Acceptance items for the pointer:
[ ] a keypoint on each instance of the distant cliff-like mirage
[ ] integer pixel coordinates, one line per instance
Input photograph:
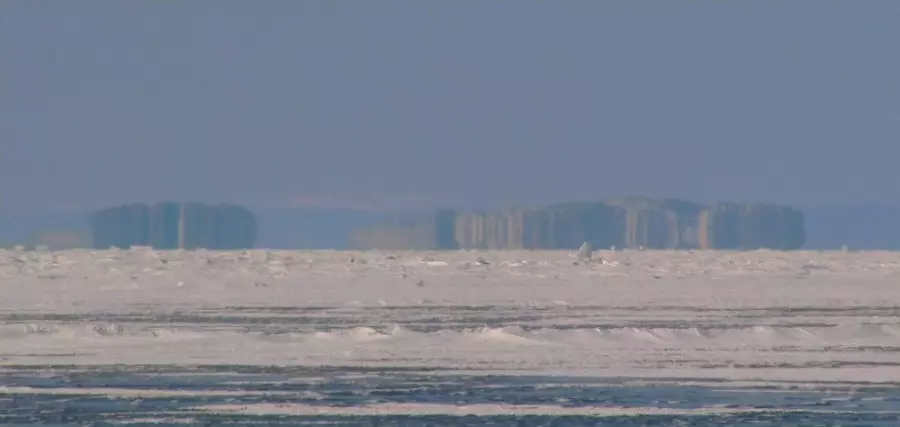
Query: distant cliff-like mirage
(623, 223)
(170, 225)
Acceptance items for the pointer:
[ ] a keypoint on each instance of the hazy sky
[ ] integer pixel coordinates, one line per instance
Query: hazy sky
(455, 102)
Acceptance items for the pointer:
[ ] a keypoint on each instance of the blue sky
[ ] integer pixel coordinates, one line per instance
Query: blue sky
(410, 103)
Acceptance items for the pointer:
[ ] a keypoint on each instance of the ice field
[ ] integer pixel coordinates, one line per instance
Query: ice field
(444, 338)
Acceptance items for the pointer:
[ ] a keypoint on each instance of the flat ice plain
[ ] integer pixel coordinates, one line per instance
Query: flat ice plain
(450, 338)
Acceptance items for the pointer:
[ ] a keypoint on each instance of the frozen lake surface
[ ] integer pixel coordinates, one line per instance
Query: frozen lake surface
(450, 338)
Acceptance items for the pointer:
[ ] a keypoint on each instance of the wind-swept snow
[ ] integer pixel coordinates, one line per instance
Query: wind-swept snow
(213, 335)
(731, 315)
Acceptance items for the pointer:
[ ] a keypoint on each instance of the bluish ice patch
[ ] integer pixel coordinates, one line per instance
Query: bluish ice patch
(849, 404)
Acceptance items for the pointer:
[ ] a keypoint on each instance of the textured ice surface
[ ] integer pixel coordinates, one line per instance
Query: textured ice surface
(708, 320)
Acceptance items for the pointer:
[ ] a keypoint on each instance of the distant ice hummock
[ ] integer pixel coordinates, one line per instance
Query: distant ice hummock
(584, 252)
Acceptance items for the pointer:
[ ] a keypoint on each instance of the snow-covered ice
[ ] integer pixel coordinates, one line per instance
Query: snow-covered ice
(718, 319)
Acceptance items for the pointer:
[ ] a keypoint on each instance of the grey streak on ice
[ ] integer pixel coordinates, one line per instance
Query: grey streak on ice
(736, 316)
